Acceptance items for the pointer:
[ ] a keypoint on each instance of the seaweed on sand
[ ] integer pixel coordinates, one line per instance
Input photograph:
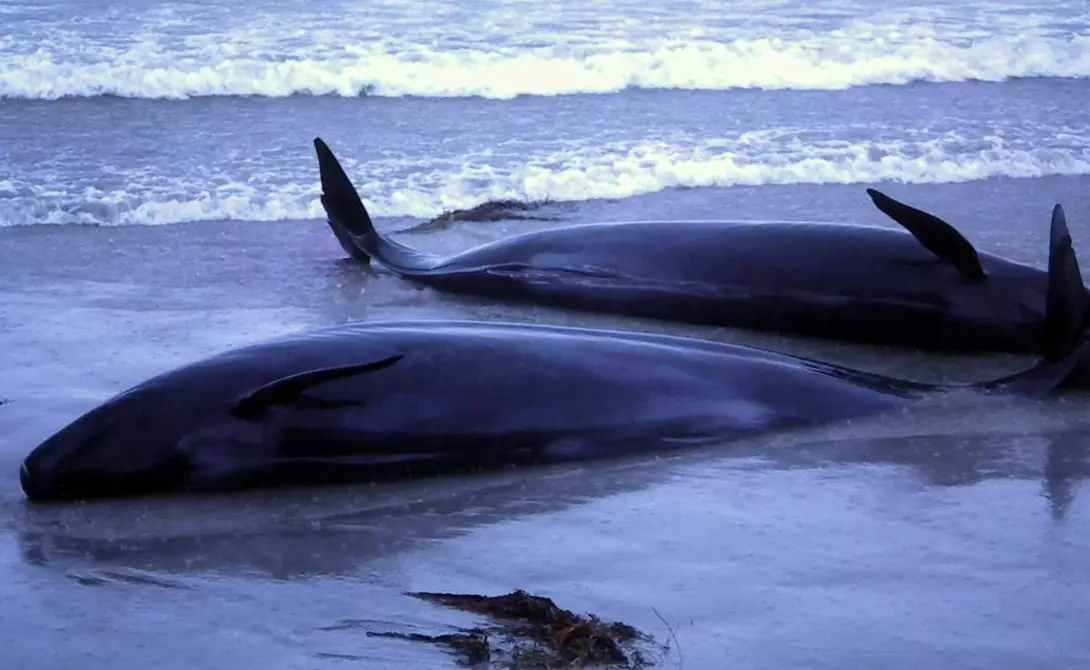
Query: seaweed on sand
(492, 210)
(471, 646)
(535, 634)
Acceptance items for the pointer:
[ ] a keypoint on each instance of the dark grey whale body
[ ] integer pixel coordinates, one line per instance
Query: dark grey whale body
(461, 391)
(370, 401)
(927, 288)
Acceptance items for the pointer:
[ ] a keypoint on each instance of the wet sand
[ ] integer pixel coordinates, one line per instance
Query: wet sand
(953, 537)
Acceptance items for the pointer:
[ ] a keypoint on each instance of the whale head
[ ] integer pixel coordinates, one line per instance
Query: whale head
(214, 424)
(128, 445)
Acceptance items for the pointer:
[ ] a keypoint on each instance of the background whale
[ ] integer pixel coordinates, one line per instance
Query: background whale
(368, 401)
(927, 288)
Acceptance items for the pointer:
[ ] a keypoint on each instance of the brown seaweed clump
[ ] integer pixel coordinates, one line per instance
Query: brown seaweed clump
(536, 634)
(492, 210)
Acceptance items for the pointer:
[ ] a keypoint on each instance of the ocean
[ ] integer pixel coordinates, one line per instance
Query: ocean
(159, 203)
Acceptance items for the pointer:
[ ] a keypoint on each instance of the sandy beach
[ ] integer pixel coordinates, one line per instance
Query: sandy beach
(955, 536)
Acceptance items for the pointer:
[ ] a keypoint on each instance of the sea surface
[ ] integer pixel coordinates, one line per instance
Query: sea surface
(159, 203)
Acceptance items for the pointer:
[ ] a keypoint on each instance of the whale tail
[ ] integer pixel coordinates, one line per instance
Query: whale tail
(1067, 337)
(352, 225)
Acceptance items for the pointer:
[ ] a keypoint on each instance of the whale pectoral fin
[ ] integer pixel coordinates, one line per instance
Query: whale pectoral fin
(290, 390)
(936, 235)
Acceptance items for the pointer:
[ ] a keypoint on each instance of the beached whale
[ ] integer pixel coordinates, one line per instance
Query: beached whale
(927, 288)
(369, 401)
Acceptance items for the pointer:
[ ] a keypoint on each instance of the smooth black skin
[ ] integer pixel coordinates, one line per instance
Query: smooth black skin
(438, 397)
(835, 281)
(369, 401)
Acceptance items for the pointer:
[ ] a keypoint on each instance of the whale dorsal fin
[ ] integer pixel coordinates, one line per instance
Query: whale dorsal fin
(290, 390)
(1067, 341)
(1065, 305)
(937, 236)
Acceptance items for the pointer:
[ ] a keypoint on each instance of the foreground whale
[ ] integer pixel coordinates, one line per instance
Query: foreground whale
(929, 289)
(369, 401)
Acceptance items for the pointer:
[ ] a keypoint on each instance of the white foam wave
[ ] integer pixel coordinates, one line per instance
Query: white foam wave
(157, 205)
(328, 62)
(568, 174)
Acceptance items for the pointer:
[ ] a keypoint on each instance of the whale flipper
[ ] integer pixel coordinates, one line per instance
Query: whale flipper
(936, 235)
(352, 225)
(289, 390)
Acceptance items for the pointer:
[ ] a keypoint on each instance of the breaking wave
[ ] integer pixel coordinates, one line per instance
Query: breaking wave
(427, 54)
(571, 173)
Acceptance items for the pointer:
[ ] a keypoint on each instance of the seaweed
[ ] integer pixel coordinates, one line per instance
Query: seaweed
(534, 633)
(491, 210)
(471, 645)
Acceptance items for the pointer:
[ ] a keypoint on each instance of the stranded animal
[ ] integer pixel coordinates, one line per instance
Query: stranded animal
(368, 401)
(927, 288)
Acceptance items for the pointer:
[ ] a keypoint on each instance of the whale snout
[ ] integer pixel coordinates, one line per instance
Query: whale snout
(47, 470)
(37, 485)
(101, 462)
(53, 471)
(27, 482)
